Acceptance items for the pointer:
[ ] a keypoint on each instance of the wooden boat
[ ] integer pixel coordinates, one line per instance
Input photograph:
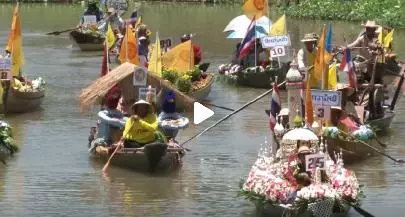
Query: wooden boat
(199, 94)
(86, 41)
(140, 159)
(155, 157)
(353, 151)
(276, 210)
(19, 102)
(384, 123)
(260, 79)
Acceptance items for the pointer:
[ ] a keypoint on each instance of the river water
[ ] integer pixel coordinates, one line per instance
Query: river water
(53, 175)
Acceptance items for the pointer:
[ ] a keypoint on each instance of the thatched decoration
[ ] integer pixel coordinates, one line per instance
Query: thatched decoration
(122, 75)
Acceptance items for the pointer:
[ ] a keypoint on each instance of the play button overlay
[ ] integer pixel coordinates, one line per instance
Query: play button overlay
(201, 113)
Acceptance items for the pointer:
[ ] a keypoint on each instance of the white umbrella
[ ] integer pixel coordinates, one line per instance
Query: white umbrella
(242, 22)
(303, 134)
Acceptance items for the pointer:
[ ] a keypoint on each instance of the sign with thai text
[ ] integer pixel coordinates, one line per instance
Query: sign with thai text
(326, 97)
(274, 41)
(278, 51)
(89, 20)
(5, 69)
(313, 161)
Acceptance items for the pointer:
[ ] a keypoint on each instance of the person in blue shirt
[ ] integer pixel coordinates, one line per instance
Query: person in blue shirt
(92, 9)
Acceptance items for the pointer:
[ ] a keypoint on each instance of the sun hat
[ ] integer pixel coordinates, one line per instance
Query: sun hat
(310, 37)
(370, 24)
(140, 102)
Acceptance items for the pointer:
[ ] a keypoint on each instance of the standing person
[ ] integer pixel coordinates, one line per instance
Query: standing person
(143, 51)
(197, 49)
(367, 45)
(114, 19)
(306, 56)
(92, 9)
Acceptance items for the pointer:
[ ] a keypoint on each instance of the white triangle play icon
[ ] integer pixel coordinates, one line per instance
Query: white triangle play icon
(201, 113)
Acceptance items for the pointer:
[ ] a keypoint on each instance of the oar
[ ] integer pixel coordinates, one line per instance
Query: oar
(229, 115)
(217, 106)
(371, 147)
(59, 32)
(360, 210)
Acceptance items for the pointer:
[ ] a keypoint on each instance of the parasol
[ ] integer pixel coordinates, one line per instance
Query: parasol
(303, 134)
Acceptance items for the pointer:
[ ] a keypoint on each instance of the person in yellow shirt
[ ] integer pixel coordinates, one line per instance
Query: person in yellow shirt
(142, 127)
(306, 56)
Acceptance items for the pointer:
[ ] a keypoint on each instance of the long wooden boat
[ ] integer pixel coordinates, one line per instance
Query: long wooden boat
(20, 102)
(199, 94)
(260, 79)
(277, 210)
(86, 41)
(143, 159)
(353, 151)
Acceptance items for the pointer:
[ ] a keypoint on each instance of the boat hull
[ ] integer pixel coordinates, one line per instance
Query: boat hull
(138, 160)
(382, 124)
(87, 42)
(275, 210)
(352, 151)
(260, 79)
(21, 102)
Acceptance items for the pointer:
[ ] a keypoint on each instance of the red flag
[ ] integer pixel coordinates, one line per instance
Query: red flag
(104, 64)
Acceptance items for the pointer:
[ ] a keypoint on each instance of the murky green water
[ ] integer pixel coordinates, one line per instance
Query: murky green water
(53, 175)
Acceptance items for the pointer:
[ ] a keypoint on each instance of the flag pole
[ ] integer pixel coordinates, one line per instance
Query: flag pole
(191, 47)
(107, 49)
(157, 52)
(323, 58)
(255, 43)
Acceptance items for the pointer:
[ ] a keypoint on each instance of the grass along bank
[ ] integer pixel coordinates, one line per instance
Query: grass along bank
(385, 12)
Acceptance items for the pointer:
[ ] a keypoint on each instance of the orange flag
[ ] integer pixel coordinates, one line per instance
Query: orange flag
(129, 48)
(309, 110)
(256, 8)
(320, 72)
(14, 44)
(180, 58)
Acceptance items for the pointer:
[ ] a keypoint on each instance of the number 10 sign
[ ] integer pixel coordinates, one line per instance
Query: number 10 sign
(312, 161)
(278, 51)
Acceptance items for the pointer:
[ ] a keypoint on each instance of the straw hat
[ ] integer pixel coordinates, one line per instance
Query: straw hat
(303, 149)
(310, 37)
(370, 24)
(140, 102)
(284, 112)
(345, 89)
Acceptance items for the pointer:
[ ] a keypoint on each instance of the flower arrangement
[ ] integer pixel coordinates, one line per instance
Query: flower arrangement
(364, 133)
(192, 80)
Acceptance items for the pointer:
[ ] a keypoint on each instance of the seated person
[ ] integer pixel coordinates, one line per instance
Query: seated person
(110, 118)
(141, 127)
(169, 108)
(344, 121)
(122, 107)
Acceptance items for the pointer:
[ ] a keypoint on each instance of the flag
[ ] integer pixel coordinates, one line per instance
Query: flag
(332, 77)
(388, 39)
(346, 66)
(129, 48)
(248, 41)
(279, 27)
(180, 58)
(309, 110)
(155, 63)
(1, 93)
(104, 63)
(138, 22)
(319, 65)
(110, 37)
(256, 8)
(14, 44)
(328, 45)
(275, 105)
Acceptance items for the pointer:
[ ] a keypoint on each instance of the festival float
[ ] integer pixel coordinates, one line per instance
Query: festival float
(301, 179)
(132, 81)
(19, 94)
(256, 62)
(8, 146)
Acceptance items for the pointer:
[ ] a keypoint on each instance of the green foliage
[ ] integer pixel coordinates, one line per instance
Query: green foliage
(184, 83)
(7, 143)
(385, 12)
(169, 75)
(195, 73)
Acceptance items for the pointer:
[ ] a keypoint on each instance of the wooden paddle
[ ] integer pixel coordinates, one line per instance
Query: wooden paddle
(116, 149)
(60, 32)
(231, 114)
(371, 147)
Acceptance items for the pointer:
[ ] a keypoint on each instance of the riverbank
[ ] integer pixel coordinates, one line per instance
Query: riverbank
(385, 12)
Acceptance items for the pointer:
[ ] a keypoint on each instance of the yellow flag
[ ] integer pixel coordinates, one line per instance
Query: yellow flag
(332, 77)
(256, 8)
(155, 62)
(1, 93)
(380, 39)
(388, 39)
(319, 65)
(138, 22)
(279, 27)
(14, 44)
(129, 48)
(180, 58)
(110, 37)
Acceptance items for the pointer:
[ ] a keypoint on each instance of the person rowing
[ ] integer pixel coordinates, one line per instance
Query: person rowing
(307, 55)
(92, 10)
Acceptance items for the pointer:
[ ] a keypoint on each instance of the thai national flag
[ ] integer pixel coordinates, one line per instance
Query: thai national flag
(249, 41)
(275, 106)
(346, 66)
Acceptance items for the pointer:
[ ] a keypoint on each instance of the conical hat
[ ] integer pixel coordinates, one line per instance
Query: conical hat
(370, 24)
